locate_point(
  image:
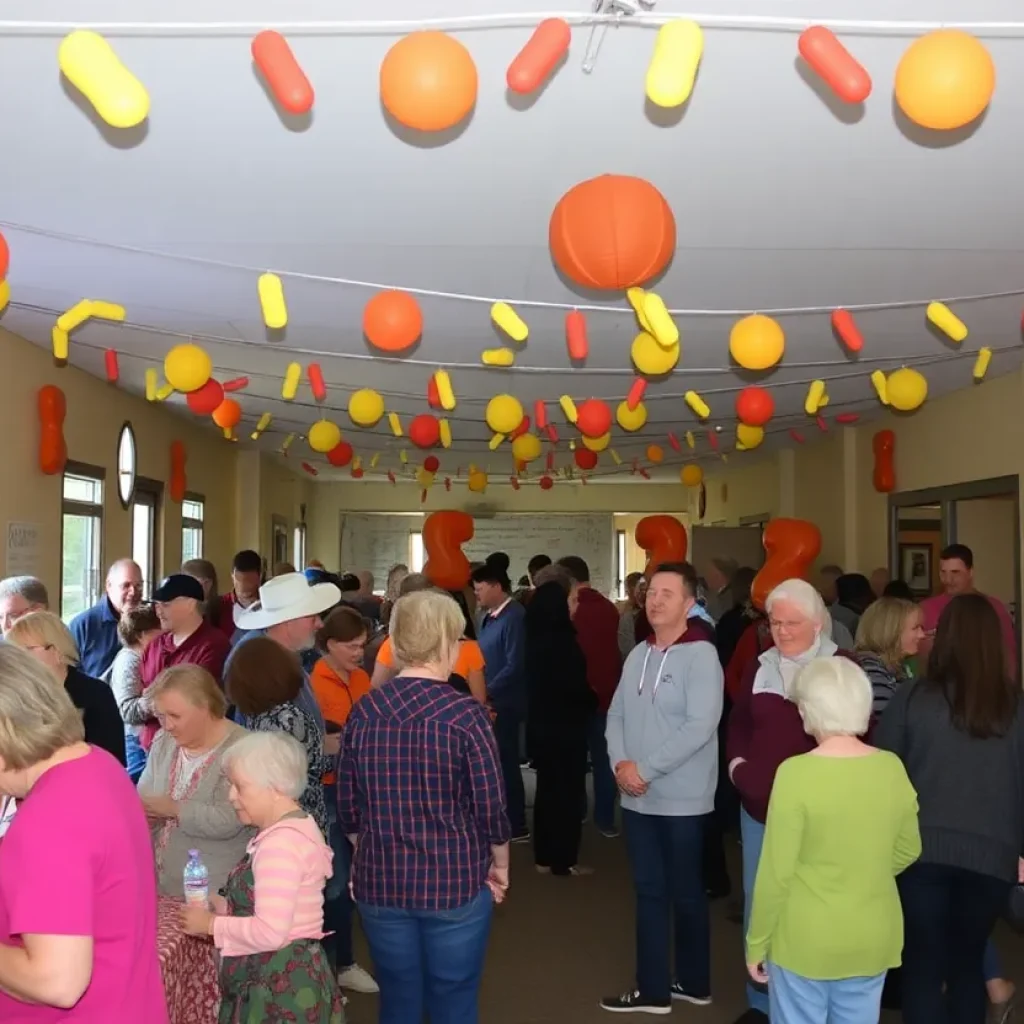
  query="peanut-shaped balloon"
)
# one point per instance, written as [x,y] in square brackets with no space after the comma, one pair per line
[791,546]
[883,445]
[444,533]
[663,539]
[53,450]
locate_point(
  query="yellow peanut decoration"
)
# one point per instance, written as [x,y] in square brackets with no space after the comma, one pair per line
[881,386]
[673,68]
[814,400]
[446,433]
[445,392]
[700,408]
[272,304]
[395,424]
[90,64]
[981,363]
[568,407]
[497,357]
[661,325]
[508,320]
[290,387]
[942,317]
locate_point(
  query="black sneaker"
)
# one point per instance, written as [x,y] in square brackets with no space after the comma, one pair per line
[678,992]
[630,1002]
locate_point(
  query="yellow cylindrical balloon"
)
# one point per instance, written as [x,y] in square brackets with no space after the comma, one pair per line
[631,419]
[90,64]
[674,63]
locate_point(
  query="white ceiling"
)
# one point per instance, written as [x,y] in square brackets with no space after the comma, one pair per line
[781,200]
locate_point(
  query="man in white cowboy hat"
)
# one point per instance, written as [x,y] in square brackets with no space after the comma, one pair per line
[289,611]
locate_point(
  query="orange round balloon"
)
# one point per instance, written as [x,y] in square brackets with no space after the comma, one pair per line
[945,80]
[612,232]
[392,321]
[428,81]
[228,414]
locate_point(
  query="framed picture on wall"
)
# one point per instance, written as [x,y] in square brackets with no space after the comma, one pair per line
[916,567]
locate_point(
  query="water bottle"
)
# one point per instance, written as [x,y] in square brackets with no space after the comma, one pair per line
[197,881]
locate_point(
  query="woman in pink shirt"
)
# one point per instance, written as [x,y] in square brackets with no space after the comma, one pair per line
[77,883]
[268,920]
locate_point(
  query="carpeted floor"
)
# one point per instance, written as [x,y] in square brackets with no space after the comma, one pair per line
[558,944]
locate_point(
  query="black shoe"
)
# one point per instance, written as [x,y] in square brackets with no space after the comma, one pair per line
[678,992]
[752,1017]
[630,1002]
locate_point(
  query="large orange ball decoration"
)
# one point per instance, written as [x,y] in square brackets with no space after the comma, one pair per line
[755,406]
[612,232]
[424,431]
[945,80]
[392,321]
[428,81]
[593,418]
[228,414]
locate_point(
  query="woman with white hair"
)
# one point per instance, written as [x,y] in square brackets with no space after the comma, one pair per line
[268,920]
[826,922]
[765,727]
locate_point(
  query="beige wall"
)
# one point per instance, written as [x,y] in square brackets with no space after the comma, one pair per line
[987,526]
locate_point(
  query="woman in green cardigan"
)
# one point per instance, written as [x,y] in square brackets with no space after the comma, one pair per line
[826,922]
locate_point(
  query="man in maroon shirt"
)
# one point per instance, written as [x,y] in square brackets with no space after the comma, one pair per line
[597,628]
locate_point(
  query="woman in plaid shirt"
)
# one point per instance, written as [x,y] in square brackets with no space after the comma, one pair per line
[420,795]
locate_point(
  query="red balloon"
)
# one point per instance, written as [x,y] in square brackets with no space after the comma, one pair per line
[431,463]
[444,533]
[593,418]
[5,257]
[206,399]
[585,458]
[755,406]
[357,472]
[546,483]
[424,431]
[340,455]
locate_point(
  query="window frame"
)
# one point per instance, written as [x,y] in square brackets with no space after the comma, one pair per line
[91,510]
[152,492]
[621,556]
[188,523]
[299,547]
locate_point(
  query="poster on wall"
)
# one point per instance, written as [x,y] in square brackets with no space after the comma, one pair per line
[22,549]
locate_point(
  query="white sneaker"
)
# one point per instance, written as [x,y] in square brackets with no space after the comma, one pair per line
[357,979]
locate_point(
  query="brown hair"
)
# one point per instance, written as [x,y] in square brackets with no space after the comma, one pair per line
[195,684]
[343,625]
[136,621]
[968,664]
[261,675]
[880,630]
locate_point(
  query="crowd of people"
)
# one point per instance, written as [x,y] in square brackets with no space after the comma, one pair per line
[328,751]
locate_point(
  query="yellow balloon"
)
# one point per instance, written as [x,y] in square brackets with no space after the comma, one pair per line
[945,80]
[748,436]
[631,419]
[691,475]
[598,444]
[906,390]
[477,481]
[650,358]
[756,342]
[187,367]
[655,453]
[526,447]
[504,414]
[323,436]
[365,407]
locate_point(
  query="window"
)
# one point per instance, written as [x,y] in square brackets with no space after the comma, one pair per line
[620,564]
[299,552]
[81,543]
[145,513]
[192,511]
[416,552]
[126,468]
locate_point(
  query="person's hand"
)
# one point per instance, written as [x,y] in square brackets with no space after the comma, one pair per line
[734,764]
[219,905]
[196,920]
[159,806]
[497,882]
[758,973]
[332,743]
[628,779]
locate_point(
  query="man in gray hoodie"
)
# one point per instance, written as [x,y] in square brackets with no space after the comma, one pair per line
[663,745]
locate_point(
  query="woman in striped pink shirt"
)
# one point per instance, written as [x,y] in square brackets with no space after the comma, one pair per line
[268,920]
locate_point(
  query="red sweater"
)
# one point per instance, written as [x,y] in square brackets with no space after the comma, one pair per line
[597,629]
[764,730]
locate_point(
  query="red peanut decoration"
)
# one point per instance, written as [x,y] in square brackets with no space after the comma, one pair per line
[289,84]
[663,539]
[847,330]
[178,482]
[791,546]
[111,366]
[839,69]
[444,533]
[316,381]
[883,444]
[53,450]
[539,57]
[576,335]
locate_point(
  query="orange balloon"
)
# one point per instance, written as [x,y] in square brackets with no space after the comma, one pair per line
[392,321]
[444,533]
[663,539]
[655,453]
[612,232]
[228,414]
[428,81]
[791,546]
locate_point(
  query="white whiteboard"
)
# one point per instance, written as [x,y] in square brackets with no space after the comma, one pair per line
[377,542]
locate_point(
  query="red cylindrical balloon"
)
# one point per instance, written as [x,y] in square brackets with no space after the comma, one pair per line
[282,72]
[841,71]
[593,418]
[755,406]
[585,458]
[424,431]
[206,399]
[340,455]
[431,463]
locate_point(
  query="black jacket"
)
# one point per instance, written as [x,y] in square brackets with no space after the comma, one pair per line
[556,670]
[100,715]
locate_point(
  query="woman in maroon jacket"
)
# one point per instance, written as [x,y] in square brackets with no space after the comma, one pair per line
[765,727]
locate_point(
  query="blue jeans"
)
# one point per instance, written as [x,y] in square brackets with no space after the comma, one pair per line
[992,966]
[338,905]
[507,729]
[135,756]
[429,962]
[604,779]
[752,838]
[666,860]
[798,1000]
